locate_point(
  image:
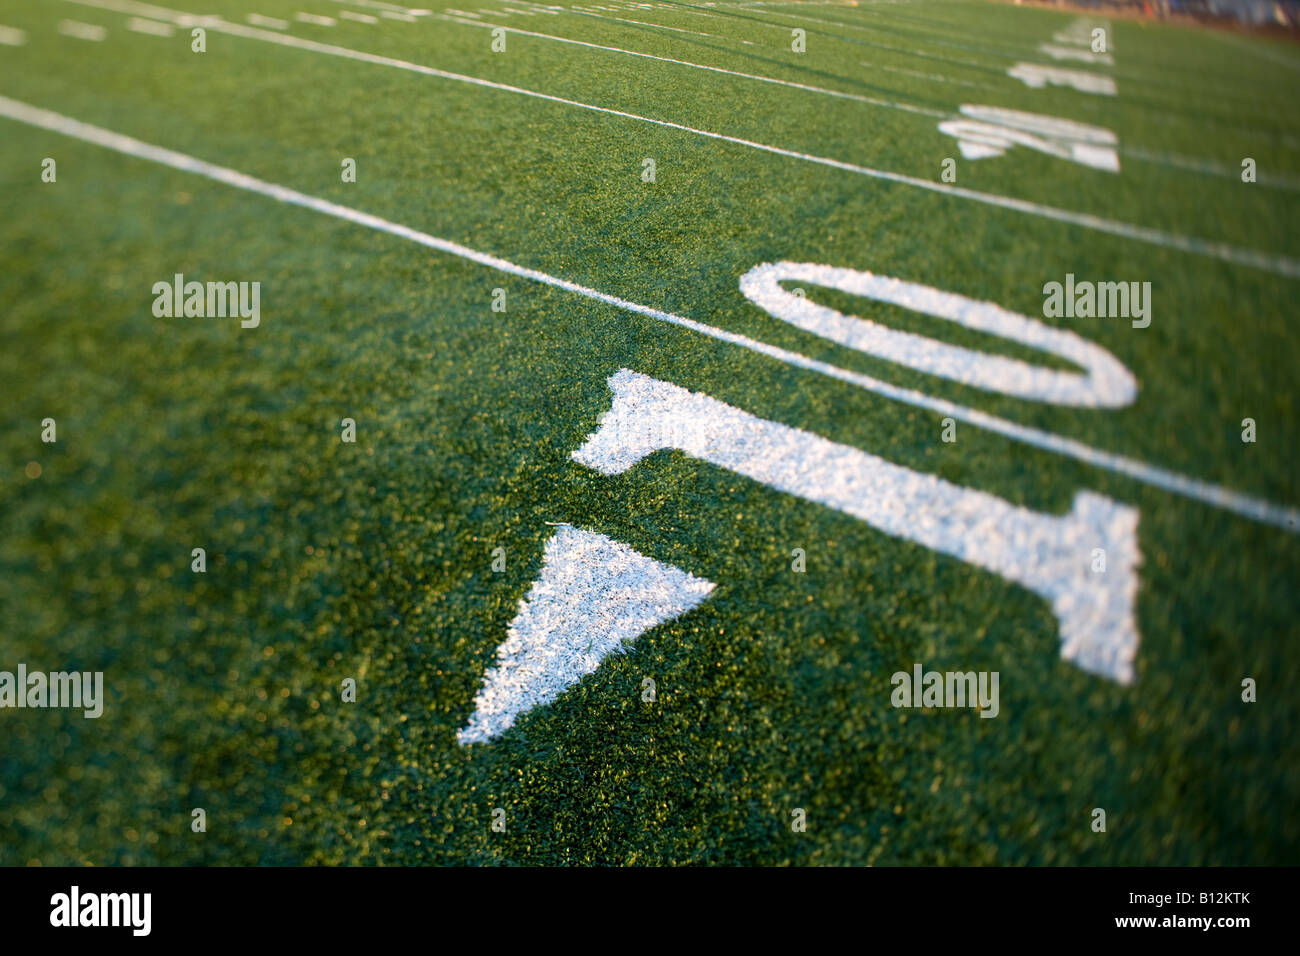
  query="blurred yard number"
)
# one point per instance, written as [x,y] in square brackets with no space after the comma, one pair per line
[984,131]
[1037,77]
[1045,553]
[1103,383]
[1074,53]
[1084,33]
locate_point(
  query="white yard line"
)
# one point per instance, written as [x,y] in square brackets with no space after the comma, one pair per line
[271,23]
[12,36]
[1145,78]
[151,27]
[314,19]
[1245,505]
[679,8]
[83,31]
[824,91]
[928,76]
[380,5]
[642,23]
[1210,168]
[1256,49]
[875,31]
[1255,259]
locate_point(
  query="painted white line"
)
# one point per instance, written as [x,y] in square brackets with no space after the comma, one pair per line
[12,36]
[1257,49]
[379,5]
[1047,554]
[1217,496]
[82,31]
[594,596]
[932,40]
[1148,79]
[925,76]
[394,15]
[934,57]
[1266,261]
[272,23]
[641,23]
[358,17]
[839,94]
[151,27]
[659,26]
[314,19]
[1210,168]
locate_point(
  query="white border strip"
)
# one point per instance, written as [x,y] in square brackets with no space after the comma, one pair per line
[1245,505]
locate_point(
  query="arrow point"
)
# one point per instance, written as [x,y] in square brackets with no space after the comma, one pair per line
[593,596]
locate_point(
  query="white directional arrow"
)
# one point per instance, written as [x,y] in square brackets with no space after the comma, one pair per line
[593,596]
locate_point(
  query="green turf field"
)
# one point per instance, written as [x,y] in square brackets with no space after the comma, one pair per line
[373,560]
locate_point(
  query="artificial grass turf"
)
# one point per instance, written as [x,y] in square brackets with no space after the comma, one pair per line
[372,560]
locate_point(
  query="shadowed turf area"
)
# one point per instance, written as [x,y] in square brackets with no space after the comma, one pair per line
[372,560]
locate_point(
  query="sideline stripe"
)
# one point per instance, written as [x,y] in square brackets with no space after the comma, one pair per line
[1245,505]
[1255,259]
